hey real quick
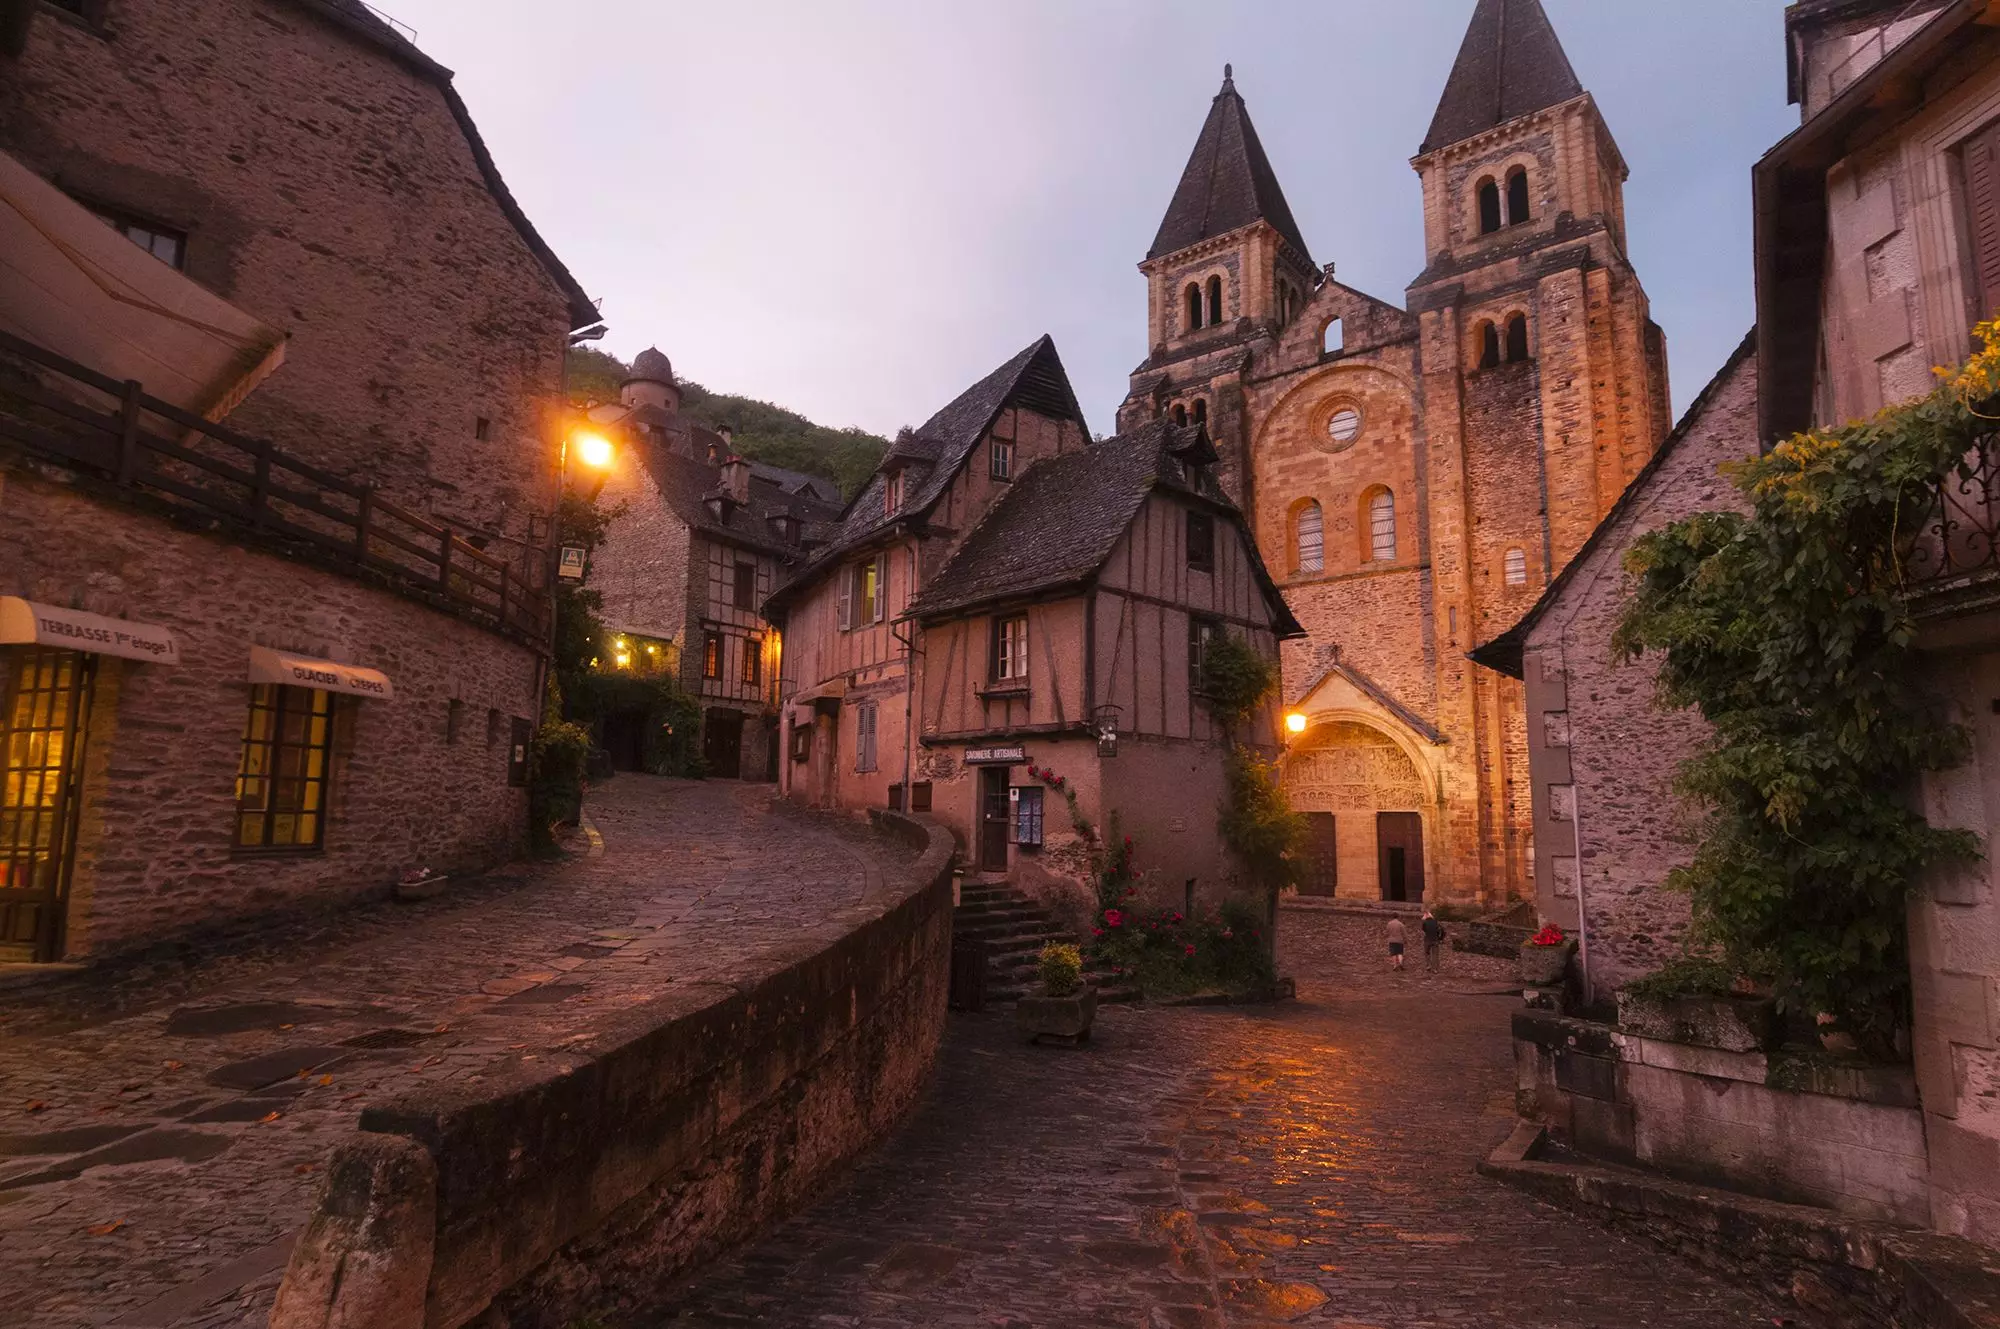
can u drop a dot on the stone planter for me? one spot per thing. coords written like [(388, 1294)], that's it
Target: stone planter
[(1733, 1024), (1544, 965), (1063, 1020), (430, 888)]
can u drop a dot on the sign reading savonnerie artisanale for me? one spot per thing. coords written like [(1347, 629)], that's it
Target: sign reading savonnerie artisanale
[(303, 671), (995, 756), (25, 622)]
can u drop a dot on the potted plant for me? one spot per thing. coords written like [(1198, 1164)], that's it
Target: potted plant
[(420, 884), (1545, 956), (1064, 1008)]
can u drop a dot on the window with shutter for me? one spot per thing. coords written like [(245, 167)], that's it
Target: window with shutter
[(881, 587), (847, 577), (1980, 159), (864, 737)]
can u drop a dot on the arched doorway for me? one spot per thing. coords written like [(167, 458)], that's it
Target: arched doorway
[(1364, 804)]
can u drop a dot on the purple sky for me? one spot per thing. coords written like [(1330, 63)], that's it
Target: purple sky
[(857, 208)]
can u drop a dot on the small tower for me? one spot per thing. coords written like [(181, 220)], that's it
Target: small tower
[(1227, 270), (651, 383)]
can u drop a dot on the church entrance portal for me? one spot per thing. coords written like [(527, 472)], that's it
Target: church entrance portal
[(1361, 797)]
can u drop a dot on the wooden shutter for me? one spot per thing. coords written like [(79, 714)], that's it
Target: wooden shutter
[(847, 576), (1982, 218), (993, 650), (881, 587)]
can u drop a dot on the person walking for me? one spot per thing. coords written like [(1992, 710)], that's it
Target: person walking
[(1395, 942), (1433, 941)]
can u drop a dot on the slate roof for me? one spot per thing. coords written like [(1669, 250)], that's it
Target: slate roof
[(1059, 522), (1511, 65), (1505, 653), (651, 366), (685, 485), (357, 18), (1033, 379), (1228, 182), (803, 483)]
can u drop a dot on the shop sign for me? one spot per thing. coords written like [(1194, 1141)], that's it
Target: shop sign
[(303, 671), (571, 566), (25, 622), (995, 756)]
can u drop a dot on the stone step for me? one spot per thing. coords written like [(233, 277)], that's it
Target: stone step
[(1011, 927), (983, 912)]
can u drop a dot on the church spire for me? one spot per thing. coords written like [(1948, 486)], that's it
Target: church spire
[(1511, 65), (1228, 182)]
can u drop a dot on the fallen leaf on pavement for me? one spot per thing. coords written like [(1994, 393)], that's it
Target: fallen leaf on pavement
[(175, 1065), (443, 1028), (37, 1105), (105, 1229), (284, 1026), (304, 1168), (269, 1116), (326, 1079)]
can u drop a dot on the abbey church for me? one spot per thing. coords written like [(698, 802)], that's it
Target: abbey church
[(1416, 473)]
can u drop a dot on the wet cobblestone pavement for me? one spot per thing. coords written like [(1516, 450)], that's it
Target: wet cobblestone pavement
[(1310, 1164), (158, 1146)]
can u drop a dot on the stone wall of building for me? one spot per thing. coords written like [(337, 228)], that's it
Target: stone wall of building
[(1602, 752), (420, 779), (325, 186)]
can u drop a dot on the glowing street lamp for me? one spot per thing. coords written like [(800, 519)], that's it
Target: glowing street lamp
[(1295, 723), (593, 449)]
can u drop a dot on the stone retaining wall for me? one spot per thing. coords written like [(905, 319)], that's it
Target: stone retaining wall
[(560, 1190)]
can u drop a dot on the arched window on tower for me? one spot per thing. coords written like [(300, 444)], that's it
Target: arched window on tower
[(1311, 542), (1489, 346), (1180, 414), (1382, 526), (1334, 339), (1193, 301), (1515, 567), (1201, 411), (1517, 196), (1517, 338), (1214, 301), (1489, 207)]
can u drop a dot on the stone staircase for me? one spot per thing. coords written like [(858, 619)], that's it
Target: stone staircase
[(1015, 929)]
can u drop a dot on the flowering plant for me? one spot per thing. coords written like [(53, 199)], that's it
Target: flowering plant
[(1550, 935), (1061, 786), (1170, 952), (411, 876)]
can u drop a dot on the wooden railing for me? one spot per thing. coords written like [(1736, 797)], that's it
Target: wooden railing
[(152, 447)]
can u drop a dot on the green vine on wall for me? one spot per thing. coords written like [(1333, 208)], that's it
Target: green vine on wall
[(1790, 631), (1060, 784)]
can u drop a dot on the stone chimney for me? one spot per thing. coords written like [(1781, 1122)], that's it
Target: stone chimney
[(736, 479)]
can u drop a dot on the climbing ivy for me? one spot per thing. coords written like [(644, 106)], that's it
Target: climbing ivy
[(1790, 630)]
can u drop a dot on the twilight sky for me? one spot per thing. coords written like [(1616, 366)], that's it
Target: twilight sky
[(855, 208)]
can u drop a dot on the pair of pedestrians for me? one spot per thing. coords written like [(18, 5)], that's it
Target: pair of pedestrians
[(1433, 931)]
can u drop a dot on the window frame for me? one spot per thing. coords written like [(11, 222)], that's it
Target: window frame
[(1311, 507), (1200, 548), (282, 701), (893, 491), (711, 656), (1029, 822), (1202, 629), (1215, 301), (739, 596), (124, 221), (751, 673), (1518, 176), (1513, 561), (865, 753), (1000, 458), (1381, 504), (1007, 651), (1492, 220)]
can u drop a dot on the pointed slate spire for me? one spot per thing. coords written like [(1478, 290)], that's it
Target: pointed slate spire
[(1511, 64), (1228, 182)]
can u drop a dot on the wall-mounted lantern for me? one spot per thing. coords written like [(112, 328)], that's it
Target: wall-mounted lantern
[(1105, 721)]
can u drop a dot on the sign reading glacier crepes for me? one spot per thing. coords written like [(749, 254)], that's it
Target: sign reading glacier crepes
[(303, 671), (25, 622)]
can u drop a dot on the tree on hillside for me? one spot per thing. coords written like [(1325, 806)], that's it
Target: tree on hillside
[(762, 431)]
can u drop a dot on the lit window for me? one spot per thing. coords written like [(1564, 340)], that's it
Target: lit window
[(753, 662), (1382, 526), (711, 656), (281, 779), (871, 578), (168, 246), (1312, 538), (1002, 467), (1010, 649), (1516, 565)]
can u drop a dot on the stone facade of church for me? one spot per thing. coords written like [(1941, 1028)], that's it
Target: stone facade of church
[(1417, 474)]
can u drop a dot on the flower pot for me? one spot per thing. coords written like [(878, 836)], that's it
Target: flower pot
[(427, 889), (1544, 965), (1057, 1019)]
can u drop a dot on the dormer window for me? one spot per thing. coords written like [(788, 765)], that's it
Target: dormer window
[(1001, 465), (892, 492)]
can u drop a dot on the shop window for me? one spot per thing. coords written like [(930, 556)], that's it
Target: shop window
[(286, 766), (1214, 301), (1489, 207), (1311, 538), (1010, 649), (744, 593), (1001, 463), (1201, 542), (1517, 196), (1028, 816), (45, 698), (1382, 526), (1515, 566), (711, 655), (864, 736)]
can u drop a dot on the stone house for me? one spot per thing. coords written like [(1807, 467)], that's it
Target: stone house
[(1602, 753), (266, 665), (1009, 605), (1416, 472), (700, 539)]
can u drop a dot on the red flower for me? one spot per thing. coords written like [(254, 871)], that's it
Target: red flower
[(1097, 932), (1128, 842), (1190, 951), (1227, 933), (1113, 918), (1131, 891), (1550, 935), (1177, 918)]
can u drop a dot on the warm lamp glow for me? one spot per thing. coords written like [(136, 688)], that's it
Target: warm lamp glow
[(624, 660), (593, 450), (1296, 722)]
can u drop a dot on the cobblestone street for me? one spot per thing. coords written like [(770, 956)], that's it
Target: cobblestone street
[(1309, 1163), (158, 1142)]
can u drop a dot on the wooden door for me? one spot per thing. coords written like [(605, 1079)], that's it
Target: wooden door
[(1399, 846), (44, 719), (722, 743), (1322, 858), (994, 812)]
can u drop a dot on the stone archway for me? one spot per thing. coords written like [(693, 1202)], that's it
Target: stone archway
[(1364, 800)]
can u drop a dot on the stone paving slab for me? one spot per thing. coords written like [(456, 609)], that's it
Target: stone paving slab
[(1216, 1168), (161, 1132)]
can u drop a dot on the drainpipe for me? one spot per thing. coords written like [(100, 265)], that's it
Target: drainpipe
[(1576, 822)]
